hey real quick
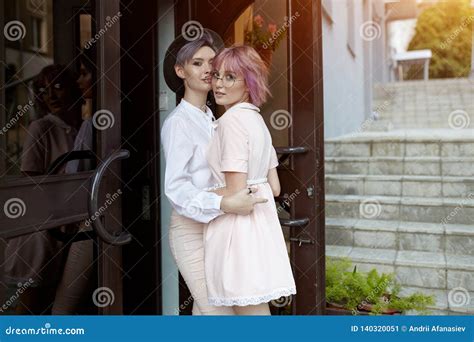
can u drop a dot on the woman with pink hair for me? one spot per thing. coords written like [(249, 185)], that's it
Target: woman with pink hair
[(246, 260)]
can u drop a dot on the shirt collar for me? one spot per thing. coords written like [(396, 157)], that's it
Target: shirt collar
[(244, 105), (188, 106)]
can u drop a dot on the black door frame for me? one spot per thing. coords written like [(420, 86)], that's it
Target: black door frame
[(141, 172)]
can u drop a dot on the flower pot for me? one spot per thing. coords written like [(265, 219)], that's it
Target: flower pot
[(334, 309)]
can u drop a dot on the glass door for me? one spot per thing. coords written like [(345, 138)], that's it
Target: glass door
[(60, 182)]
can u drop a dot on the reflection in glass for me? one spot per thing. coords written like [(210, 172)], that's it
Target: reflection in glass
[(47, 113), (36, 104), (47, 138)]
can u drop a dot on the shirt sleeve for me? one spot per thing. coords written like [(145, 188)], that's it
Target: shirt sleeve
[(34, 150), (234, 145), (186, 199), (273, 159), (82, 142)]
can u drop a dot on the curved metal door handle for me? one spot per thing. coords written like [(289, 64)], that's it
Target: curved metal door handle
[(122, 238), (291, 149), (288, 151), (294, 222)]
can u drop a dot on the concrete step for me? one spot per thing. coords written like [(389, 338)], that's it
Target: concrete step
[(443, 103), (438, 86), (386, 123), (398, 185), (421, 166), (430, 273), (417, 209), (401, 235), (403, 143)]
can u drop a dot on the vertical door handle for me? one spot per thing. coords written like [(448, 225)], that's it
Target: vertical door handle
[(121, 238)]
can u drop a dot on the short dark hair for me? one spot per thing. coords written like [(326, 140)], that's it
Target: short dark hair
[(54, 73), (188, 50)]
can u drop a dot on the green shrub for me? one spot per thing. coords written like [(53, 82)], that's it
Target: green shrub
[(446, 29), (351, 289)]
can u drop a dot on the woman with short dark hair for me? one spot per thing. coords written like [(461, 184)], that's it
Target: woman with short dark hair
[(39, 258), (185, 135)]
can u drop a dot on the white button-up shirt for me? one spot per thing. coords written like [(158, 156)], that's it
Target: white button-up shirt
[(185, 135)]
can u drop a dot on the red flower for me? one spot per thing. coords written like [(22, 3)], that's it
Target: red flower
[(272, 28), (258, 20)]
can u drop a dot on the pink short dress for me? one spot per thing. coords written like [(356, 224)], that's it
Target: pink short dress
[(246, 259)]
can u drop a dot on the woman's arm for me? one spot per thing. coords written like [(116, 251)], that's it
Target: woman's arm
[(236, 195), (235, 181), (274, 181), (272, 175)]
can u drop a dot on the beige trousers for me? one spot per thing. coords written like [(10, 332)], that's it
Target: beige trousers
[(187, 247)]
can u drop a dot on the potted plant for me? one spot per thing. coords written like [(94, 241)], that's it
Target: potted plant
[(264, 38), (351, 292)]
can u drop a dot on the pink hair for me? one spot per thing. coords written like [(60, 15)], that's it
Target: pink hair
[(244, 60)]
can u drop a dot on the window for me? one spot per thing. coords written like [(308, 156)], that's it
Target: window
[(37, 33)]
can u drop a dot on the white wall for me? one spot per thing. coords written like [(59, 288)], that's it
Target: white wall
[(170, 292), (344, 86)]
